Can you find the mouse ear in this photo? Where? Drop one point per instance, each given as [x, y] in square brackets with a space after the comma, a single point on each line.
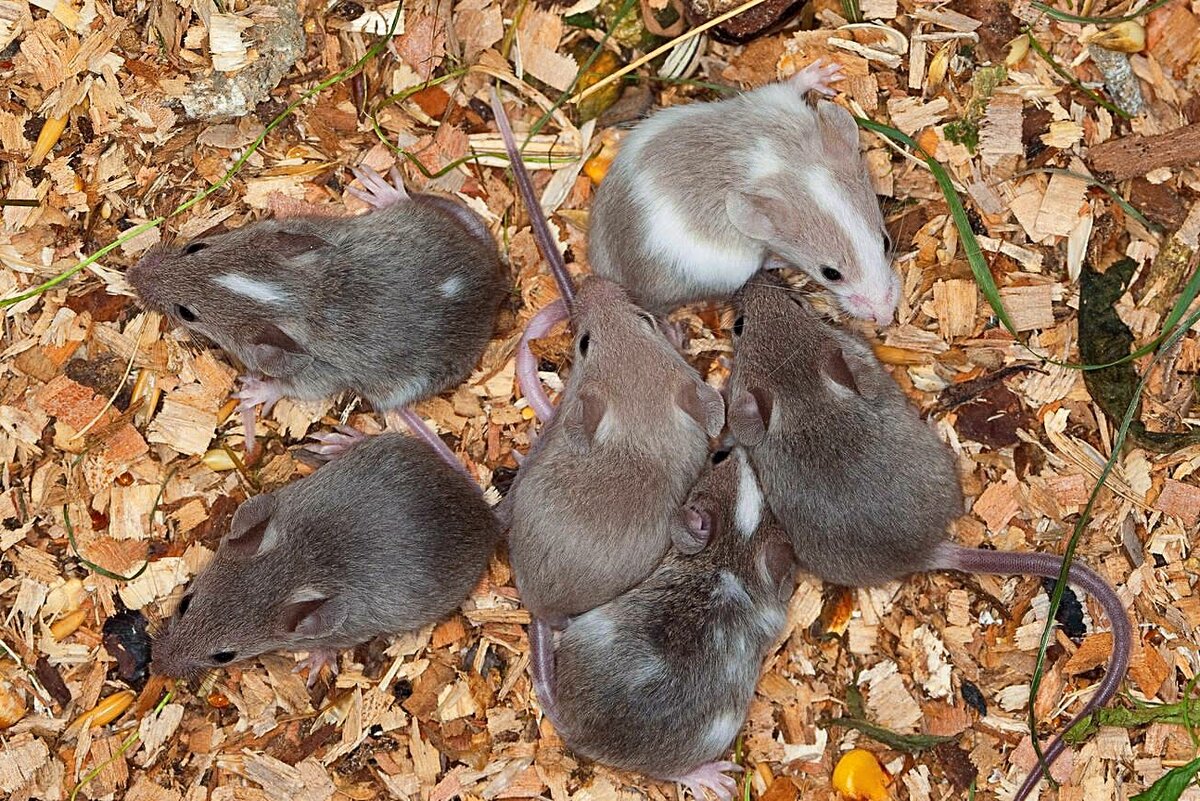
[291, 244]
[839, 131]
[273, 353]
[845, 371]
[696, 531]
[750, 416]
[314, 615]
[584, 418]
[703, 404]
[748, 213]
[778, 559]
[248, 532]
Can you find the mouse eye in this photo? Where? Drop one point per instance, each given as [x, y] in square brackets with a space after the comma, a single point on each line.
[648, 319]
[584, 341]
[831, 274]
[887, 242]
[720, 456]
[184, 604]
[739, 325]
[185, 314]
[195, 247]
[223, 657]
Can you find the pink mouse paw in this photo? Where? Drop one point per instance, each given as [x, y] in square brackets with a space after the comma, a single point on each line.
[712, 777]
[316, 661]
[818, 76]
[332, 444]
[376, 190]
[255, 392]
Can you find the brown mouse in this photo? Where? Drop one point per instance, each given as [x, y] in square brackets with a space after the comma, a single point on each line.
[659, 680]
[386, 538]
[395, 305]
[864, 487]
[594, 505]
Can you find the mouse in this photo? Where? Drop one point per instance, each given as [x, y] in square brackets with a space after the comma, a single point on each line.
[396, 304]
[385, 538]
[864, 487]
[702, 196]
[658, 681]
[632, 414]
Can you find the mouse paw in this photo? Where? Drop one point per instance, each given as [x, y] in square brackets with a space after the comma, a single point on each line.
[316, 661]
[376, 190]
[818, 76]
[255, 391]
[332, 444]
[712, 777]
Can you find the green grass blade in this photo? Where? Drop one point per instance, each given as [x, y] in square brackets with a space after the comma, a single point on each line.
[1067, 16]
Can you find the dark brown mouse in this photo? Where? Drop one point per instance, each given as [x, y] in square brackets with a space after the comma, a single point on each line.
[395, 305]
[659, 680]
[387, 538]
[863, 486]
[594, 504]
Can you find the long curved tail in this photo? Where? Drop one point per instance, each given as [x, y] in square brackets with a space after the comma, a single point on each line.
[541, 658]
[1046, 565]
[537, 218]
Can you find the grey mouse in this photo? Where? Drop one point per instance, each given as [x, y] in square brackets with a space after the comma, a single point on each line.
[702, 196]
[396, 304]
[863, 486]
[659, 680]
[386, 538]
[593, 507]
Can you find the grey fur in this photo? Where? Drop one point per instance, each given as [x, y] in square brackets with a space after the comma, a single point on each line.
[863, 485]
[659, 680]
[392, 537]
[746, 153]
[593, 504]
[361, 303]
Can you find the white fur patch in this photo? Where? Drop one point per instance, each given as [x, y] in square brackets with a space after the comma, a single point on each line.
[763, 163]
[451, 286]
[866, 240]
[253, 288]
[721, 731]
[747, 511]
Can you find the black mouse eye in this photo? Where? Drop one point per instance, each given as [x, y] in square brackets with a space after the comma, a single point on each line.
[831, 274]
[184, 604]
[739, 325]
[195, 247]
[887, 242]
[584, 341]
[649, 320]
[223, 657]
[720, 456]
[185, 314]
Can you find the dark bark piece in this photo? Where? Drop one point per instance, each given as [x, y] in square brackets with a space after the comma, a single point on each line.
[758, 21]
[1131, 156]
[1158, 202]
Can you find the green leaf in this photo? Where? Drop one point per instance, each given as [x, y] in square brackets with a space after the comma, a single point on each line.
[909, 743]
[1179, 713]
[1104, 338]
[1172, 784]
[1067, 16]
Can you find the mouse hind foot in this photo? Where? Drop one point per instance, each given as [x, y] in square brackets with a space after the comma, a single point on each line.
[711, 776]
[256, 392]
[330, 445]
[817, 77]
[317, 660]
[376, 189]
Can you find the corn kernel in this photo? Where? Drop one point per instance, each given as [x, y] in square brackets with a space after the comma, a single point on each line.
[66, 626]
[106, 711]
[859, 777]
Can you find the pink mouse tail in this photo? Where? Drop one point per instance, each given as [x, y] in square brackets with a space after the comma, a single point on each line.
[424, 433]
[527, 373]
[541, 659]
[537, 219]
[1046, 565]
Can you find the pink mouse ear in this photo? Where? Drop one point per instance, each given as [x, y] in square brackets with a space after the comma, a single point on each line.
[584, 418]
[703, 404]
[750, 214]
[695, 533]
[247, 535]
[275, 354]
[846, 371]
[291, 244]
[779, 562]
[750, 415]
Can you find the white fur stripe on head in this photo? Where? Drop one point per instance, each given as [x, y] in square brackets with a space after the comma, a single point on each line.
[747, 510]
[866, 240]
[253, 288]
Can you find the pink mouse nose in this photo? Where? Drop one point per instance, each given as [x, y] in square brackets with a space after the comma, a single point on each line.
[883, 314]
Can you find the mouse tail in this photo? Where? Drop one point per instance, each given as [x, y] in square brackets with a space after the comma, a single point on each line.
[541, 658]
[1046, 565]
[537, 218]
[423, 432]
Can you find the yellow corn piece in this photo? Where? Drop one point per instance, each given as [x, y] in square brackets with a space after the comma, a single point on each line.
[938, 67]
[229, 408]
[1124, 37]
[66, 626]
[52, 131]
[890, 354]
[218, 460]
[106, 711]
[1017, 50]
[597, 166]
[859, 777]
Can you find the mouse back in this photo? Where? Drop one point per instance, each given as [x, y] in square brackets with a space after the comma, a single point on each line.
[633, 414]
[388, 538]
[691, 639]
[863, 486]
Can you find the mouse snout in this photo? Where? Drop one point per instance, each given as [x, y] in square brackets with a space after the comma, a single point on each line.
[864, 308]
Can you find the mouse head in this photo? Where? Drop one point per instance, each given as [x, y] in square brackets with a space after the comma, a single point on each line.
[622, 361]
[239, 289]
[822, 216]
[250, 600]
[791, 363]
[728, 523]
